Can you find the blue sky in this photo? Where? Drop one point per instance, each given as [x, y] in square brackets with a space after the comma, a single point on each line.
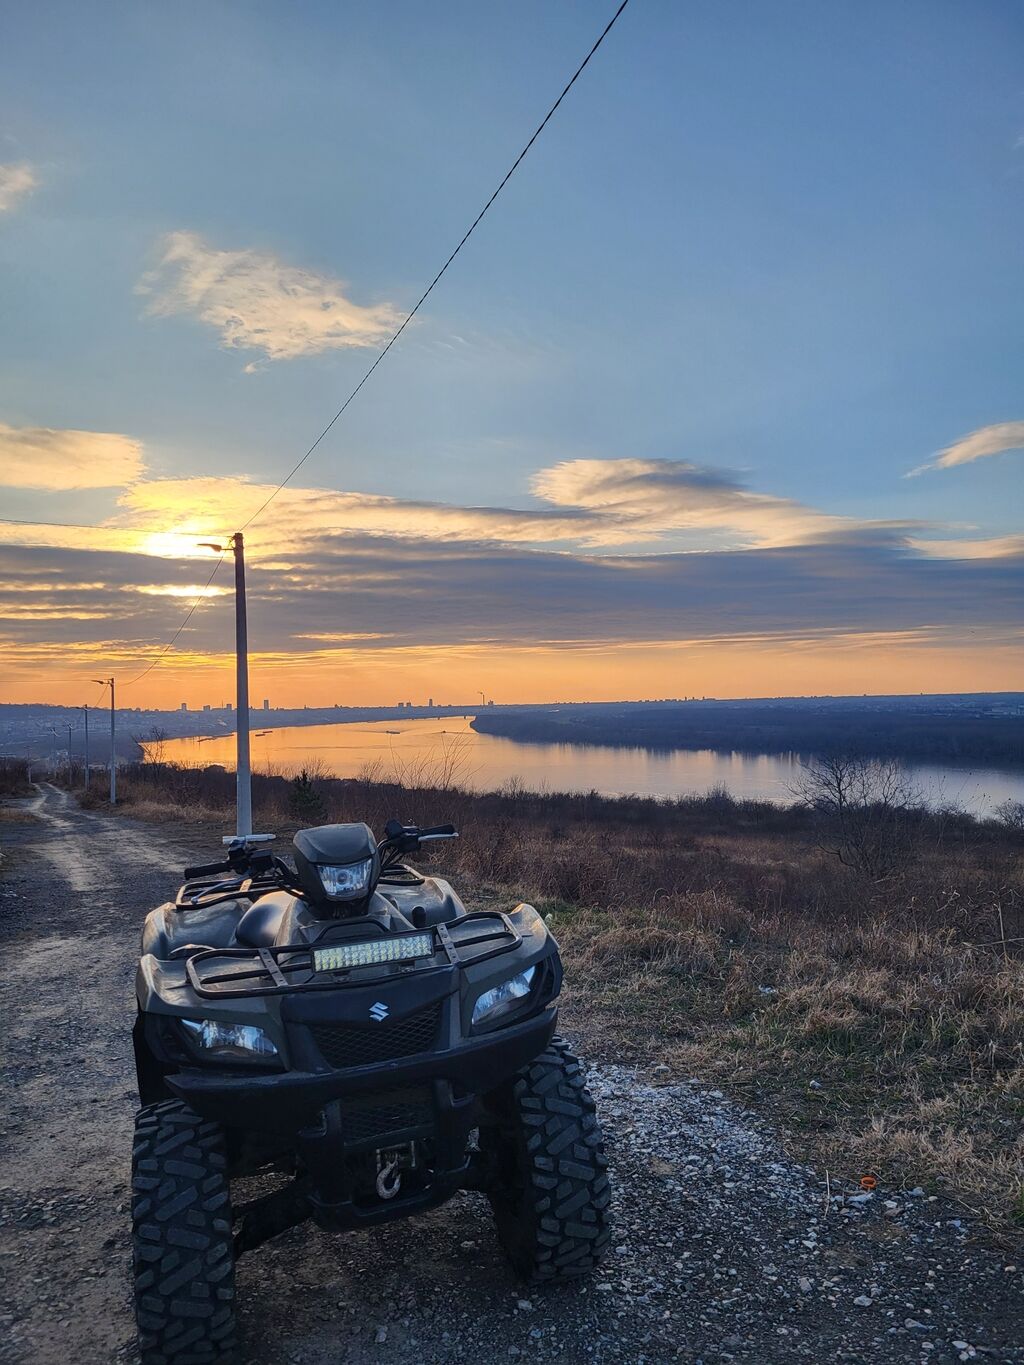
[780, 243]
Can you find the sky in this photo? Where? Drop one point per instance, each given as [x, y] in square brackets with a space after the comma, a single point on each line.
[723, 397]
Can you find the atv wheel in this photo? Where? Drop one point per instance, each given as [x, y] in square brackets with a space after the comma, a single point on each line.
[181, 1235]
[550, 1194]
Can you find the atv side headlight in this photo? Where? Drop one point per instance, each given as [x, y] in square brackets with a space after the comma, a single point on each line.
[346, 881]
[242, 1042]
[502, 998]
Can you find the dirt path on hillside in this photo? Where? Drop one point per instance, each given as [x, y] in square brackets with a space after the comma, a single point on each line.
[724, 1249]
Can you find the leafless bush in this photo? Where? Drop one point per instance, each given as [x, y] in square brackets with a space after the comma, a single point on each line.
[1010, 814]
[14, 777]
[870, 810]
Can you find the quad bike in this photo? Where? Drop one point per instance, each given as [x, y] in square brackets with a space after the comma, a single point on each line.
[346, 1029]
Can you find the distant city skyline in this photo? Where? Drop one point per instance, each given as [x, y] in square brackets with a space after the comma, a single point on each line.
[723, 396]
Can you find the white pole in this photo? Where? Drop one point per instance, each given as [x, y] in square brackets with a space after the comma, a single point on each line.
[86, 710]
[113, 750]
[243, 775]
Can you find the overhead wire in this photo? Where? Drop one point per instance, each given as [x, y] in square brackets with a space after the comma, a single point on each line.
[61, 525]
[429, 289]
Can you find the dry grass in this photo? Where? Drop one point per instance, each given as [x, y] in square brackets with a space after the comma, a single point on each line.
[721, 937]
[14, 777]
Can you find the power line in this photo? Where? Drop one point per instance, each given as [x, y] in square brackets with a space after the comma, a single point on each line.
[426, 293]
[62, 525]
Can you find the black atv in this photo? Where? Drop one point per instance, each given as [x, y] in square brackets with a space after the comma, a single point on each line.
[346, 1028]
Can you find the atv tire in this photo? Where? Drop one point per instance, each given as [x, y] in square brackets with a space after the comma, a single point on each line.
[550, 1193]
[184, 1257]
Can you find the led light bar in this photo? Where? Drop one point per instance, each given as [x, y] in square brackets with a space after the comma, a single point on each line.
[372, 952]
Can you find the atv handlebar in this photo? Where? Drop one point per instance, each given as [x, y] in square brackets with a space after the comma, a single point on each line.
[398, 839]
[208, 869]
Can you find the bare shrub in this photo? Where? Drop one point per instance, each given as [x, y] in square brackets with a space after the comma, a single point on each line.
[1010, 814]
[14, 777]
[869, 809]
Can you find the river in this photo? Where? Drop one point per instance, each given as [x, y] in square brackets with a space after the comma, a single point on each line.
[448, 749]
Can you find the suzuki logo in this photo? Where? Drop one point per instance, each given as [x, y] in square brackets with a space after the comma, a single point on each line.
[379, 1011]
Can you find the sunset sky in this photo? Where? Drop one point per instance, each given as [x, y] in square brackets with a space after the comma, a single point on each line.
[723, 397]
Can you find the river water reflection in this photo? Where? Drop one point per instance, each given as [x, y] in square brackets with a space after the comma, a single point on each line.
[420, 748]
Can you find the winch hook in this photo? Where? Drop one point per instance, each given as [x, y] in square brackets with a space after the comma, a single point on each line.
[389, 1180]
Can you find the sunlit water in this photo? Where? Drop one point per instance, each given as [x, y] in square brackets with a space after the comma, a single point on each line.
[448, 749]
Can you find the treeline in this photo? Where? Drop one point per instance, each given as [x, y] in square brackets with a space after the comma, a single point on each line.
[953, 737]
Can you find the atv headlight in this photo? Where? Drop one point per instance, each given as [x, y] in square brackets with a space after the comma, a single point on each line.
[346, 881]
[501, 998]
[242, 1042]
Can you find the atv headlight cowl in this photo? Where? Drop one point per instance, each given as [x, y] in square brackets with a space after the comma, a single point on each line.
[231, 1042]
[345, 881]
[503, 998]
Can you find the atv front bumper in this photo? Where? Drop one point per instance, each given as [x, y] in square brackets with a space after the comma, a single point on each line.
[335, 1121]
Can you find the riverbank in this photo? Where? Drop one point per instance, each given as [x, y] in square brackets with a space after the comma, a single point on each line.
[863, 986]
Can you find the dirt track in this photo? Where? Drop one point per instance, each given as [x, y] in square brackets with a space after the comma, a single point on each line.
[724, 1248]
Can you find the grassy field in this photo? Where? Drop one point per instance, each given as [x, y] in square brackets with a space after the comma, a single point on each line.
[853, 966]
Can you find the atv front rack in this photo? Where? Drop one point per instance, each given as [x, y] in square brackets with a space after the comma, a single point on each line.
[216, 973]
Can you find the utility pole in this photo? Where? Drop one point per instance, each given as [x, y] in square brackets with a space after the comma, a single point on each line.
[243, 776]
[243, 772]
[71, 769]
[109, 682]
[86, 710]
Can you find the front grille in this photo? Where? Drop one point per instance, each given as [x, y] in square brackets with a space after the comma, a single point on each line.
[361, 1045]
[366, 1117]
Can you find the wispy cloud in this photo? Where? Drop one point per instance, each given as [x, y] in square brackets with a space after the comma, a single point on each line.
[993, 440]
[658, 496]
[55, 459]
[260, 303]
[17, 181]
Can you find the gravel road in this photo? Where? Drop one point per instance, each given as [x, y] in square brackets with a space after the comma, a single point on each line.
[726, 1249]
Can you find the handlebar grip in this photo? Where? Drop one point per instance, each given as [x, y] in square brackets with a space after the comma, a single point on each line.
[439, 830]
[207, 869]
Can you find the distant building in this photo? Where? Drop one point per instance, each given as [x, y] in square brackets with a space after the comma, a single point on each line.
[206, 707]
[184, 706]
[266, 704]
[430, 701]
[228, 706]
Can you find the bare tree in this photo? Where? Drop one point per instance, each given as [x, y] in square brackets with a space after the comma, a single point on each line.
[154, 744]
[868, 807]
